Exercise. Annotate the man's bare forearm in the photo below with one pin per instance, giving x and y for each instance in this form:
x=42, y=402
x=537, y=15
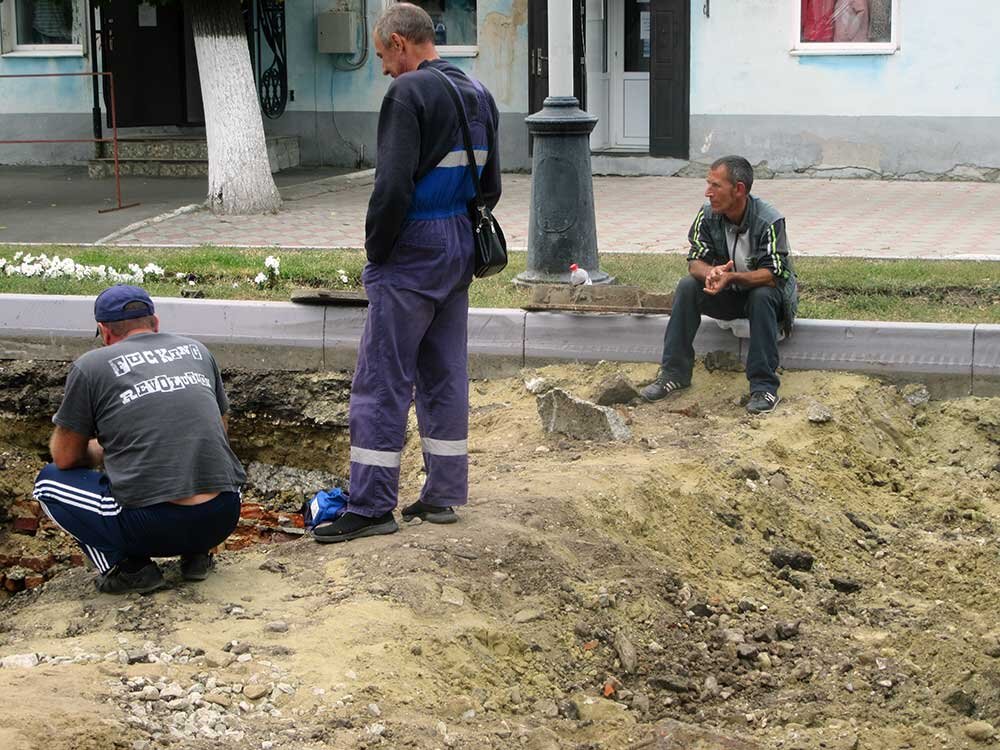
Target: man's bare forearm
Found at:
x=751, y=279
x=699, y=269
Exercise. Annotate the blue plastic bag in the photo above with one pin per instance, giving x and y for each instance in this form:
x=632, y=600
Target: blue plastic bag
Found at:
x=325, y=506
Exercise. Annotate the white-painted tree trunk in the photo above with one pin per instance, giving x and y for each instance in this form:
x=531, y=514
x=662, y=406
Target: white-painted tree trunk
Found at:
x=239, y=175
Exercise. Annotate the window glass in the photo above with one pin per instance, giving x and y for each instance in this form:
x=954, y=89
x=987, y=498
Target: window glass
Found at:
x=637, y=39
x=454, y=21
x=46, y=22
x=846, y=21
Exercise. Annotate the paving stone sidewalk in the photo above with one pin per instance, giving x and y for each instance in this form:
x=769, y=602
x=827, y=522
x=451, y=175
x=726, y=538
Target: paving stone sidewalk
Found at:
x=860, y=218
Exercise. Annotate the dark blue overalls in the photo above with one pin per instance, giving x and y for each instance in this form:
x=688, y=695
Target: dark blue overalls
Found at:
x=414, y=345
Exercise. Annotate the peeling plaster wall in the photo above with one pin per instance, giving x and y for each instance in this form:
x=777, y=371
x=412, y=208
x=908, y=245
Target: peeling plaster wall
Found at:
x=335, y=112
x=36, y=108
x=929, y=109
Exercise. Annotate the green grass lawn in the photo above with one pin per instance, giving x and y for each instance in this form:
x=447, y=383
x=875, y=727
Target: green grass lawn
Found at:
x=844, y=288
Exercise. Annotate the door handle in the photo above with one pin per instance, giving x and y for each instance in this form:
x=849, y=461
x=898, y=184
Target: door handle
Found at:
x=539, y=57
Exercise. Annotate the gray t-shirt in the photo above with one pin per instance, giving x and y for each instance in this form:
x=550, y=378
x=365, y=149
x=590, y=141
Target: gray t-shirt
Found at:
x=738, y=245
x=155, y=402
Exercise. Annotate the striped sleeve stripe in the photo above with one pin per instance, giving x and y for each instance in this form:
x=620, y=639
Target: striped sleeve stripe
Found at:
x=702, y=250
x=775, y=256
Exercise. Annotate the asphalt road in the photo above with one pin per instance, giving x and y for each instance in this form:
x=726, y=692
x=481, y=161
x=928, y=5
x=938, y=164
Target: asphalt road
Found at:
x=60, y=204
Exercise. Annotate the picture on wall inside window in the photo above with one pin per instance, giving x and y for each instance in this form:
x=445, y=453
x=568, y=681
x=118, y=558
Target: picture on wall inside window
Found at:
x=846, y=21
x=454, y=21
x=45, y=22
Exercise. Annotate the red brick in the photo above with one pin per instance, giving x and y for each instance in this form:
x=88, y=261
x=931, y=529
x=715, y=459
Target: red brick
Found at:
x=31, y=582
x=26, y=525
x=239, y=542
x=76, y=559
x=13, y=585
x=252, y=511
x=37, y=564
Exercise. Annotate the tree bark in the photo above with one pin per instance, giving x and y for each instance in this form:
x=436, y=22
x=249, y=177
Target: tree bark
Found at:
x=239, y=175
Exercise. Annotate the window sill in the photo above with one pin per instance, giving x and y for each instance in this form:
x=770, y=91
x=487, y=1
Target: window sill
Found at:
x=844, y=49
x=455, y=50
x=41, y=52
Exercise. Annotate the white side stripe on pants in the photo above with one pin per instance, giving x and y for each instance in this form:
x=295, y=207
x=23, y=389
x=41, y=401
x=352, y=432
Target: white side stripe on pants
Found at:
x=64, y=493
x=99, y=559
x=445, y=447
x=389, y=459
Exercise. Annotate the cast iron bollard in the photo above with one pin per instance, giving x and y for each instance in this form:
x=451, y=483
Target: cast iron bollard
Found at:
x=561, y=227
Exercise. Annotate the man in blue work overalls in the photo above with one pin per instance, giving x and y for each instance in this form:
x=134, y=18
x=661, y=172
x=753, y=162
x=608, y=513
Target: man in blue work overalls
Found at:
x=420, y=252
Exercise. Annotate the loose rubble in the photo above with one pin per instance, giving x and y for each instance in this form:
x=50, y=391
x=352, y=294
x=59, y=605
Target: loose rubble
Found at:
x=736, y=583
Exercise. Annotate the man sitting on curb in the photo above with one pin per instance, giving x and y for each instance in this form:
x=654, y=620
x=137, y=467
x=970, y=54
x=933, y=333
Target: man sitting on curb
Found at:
x=151, y=408
x=739, y=268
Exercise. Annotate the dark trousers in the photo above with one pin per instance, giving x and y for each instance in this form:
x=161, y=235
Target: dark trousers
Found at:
x=80, y=501
x=761, y=305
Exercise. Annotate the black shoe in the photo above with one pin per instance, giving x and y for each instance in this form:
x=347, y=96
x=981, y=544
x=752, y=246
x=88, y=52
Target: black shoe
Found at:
x=352, y=526
x=195, y=567
x=119, y=581
x=429, y=513
x=762, y=402
x=661, y=388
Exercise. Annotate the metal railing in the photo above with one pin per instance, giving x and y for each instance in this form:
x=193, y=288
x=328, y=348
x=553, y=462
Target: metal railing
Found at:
x=112, y=140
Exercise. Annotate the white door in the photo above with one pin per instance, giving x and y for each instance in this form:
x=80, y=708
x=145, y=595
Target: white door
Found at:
x=598, y=79
x=628, y=31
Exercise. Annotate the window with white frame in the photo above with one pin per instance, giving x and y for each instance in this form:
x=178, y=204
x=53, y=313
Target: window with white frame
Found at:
x=44, y=28
x=847, y=27
x=455, y=25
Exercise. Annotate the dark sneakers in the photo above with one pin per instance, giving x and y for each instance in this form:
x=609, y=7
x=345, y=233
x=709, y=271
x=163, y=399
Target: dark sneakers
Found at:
x=660, y=388
x=429, y=513
x=145, y=580
x=196, y=567
x=762, y=402
x=353, y=526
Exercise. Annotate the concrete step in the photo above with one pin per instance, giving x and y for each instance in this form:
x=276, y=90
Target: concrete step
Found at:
x=178, y=156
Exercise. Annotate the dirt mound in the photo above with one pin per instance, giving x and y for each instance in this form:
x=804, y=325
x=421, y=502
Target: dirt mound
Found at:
x=823, y=577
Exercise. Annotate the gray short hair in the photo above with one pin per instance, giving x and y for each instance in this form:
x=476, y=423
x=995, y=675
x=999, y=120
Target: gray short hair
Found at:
x=409, y=21
x=738, y=169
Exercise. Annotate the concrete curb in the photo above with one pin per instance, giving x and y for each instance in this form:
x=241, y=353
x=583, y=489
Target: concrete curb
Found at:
x=952, y=360
x=143, y=223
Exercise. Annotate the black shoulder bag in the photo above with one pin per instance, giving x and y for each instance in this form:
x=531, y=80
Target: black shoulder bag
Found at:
x=490, y=244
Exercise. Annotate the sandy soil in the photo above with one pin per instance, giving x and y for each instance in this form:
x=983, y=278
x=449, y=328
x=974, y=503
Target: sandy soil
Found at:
x=593, y=596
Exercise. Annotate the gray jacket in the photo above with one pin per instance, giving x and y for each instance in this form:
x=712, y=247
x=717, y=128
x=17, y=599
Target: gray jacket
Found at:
x=768, y=247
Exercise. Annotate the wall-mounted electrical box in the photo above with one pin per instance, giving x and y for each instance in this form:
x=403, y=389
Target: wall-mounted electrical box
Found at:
x=336, y=32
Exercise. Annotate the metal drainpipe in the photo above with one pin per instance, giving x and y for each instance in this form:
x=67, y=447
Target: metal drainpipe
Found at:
x=94, y=68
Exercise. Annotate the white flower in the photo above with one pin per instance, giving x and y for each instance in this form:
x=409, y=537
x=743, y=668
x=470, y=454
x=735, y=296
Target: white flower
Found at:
x=273, y=264
x=179, y=275
x=260, y=279
x=236, y=285
x=343, y=278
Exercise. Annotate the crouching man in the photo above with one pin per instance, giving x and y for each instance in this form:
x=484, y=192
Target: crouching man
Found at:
x=151, y=408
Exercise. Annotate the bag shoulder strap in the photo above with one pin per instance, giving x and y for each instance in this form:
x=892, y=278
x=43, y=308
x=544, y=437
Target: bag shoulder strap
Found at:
x=452, y=90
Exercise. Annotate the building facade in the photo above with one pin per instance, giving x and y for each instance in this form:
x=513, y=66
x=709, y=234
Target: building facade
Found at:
x=834, y=87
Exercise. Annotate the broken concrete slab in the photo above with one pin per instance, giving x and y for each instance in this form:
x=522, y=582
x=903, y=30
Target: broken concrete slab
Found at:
x=566, y=414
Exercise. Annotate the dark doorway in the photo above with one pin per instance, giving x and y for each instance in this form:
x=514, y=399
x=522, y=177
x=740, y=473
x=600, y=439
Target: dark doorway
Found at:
x=670, y=78
x=538, y=54
x=144, y=47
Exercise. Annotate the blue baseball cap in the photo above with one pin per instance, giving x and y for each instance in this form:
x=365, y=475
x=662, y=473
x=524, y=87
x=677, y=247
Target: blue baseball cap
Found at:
x=111, y=304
